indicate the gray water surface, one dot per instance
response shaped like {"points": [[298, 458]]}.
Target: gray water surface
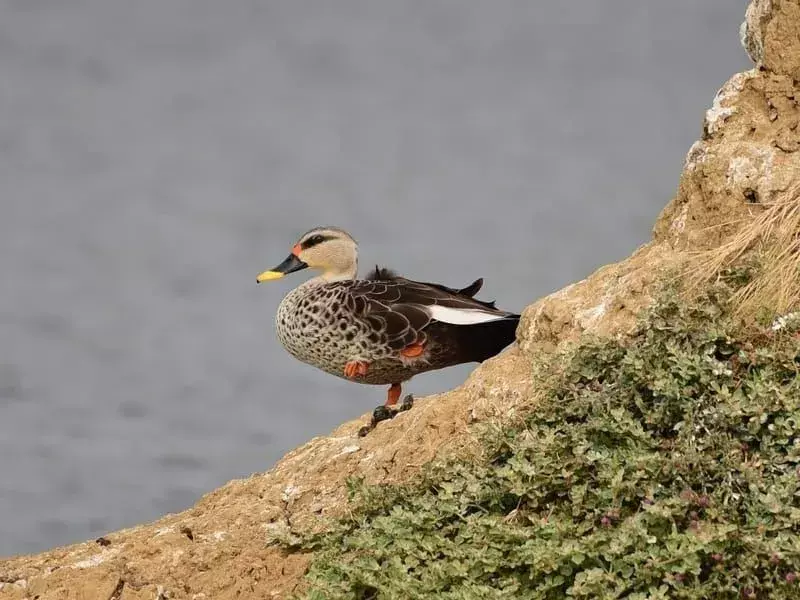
{"points": [[155, 156]]}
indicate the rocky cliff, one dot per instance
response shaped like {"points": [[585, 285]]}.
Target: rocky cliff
{"points": [[746, 161]]}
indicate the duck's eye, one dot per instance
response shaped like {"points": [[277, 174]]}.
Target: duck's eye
{"points": [[313, 241]]}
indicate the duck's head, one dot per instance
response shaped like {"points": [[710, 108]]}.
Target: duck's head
{"points": [[330, 250]]}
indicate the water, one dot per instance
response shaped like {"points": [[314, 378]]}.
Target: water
{"points": [[155, 156]]}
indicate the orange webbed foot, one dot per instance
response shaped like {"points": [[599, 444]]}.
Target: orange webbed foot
{"points": [[356, 368]]}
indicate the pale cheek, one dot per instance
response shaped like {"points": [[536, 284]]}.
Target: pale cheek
{"points": [[309, 259]]}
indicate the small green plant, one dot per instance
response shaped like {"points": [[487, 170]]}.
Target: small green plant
{"points": [[666, 465]]}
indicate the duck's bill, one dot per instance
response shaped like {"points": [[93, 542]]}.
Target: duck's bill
{"points": [[290, 265]]}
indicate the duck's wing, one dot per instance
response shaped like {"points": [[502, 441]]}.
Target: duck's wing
{"points": [[385, 274], [400, 309]]}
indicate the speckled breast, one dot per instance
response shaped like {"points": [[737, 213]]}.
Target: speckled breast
{"points": [[314, 325]]}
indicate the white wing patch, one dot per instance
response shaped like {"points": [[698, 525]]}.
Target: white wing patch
{"points": [[462, 316]]}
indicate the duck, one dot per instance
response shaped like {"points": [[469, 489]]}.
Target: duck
{"points": [[383, 329]]}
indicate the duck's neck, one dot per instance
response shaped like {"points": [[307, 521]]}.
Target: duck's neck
{"points": [[332, 276]]}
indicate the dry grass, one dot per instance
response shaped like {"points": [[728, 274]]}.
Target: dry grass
{"points": [[772, 238]]}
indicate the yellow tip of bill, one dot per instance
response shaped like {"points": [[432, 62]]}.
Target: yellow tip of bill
{"points": [[268, 275]]}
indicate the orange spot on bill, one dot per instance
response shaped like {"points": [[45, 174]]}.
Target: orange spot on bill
{"points": [[412, 351], [296, 249]]}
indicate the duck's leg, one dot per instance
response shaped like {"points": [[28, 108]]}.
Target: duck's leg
{"points": [[394, 394], [390, 409]]}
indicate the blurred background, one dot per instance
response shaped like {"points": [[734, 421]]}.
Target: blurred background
{"points": [[155, 156]]}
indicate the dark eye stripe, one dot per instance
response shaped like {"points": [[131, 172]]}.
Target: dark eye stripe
{"points": [[314, 240]]}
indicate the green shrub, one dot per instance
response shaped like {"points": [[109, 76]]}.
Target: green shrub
{"points": [[666, 465]]}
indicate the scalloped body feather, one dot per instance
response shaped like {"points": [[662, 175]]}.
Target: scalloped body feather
{"points": [[328, 324]]}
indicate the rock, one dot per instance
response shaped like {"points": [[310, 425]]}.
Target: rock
{"points": [[746, 158], [771, 36]]}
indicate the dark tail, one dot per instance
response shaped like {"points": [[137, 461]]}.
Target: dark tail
{"points": [[485, 340]]}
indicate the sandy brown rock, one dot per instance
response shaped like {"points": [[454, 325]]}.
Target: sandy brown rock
{"points": [[220, 549], [746, 158], [771, 35]]}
